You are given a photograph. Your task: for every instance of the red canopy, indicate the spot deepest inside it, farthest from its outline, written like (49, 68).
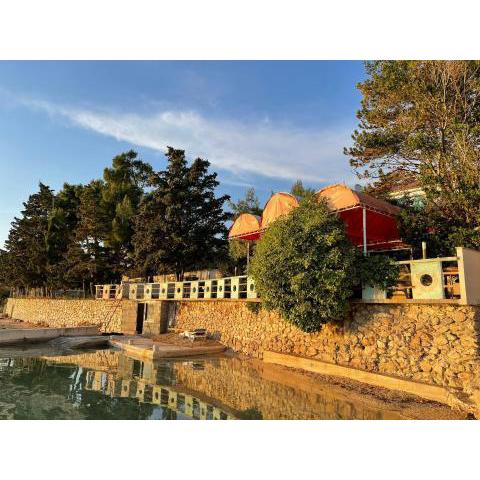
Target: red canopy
(380, 217)
(360, 212)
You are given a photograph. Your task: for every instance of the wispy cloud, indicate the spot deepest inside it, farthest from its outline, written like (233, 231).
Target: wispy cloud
(242, 148)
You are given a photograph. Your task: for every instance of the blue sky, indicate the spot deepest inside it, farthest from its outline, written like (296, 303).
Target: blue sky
(261, 124)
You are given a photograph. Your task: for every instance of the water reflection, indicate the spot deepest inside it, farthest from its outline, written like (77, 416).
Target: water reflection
(107, 384)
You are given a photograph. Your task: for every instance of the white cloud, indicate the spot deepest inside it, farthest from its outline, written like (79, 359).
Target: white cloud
(244, 149)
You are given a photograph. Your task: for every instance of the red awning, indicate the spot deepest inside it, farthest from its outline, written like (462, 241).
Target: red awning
(381, 223)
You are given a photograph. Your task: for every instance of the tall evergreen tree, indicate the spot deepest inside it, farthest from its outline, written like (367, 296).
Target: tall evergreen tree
(88, 258)
(29, 246)
(122, 192)
(62, 224)
(181, 223)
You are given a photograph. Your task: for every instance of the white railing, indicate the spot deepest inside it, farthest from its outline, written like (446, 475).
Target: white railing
(448, 278)
(235, 288)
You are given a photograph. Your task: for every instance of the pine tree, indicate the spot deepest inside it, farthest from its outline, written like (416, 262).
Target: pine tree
(181, 223)
(28, 246)
(122, 192)
(62, 223)
(87, 258)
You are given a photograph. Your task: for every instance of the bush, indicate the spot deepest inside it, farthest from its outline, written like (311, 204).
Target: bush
(377, 271)
(304, 267)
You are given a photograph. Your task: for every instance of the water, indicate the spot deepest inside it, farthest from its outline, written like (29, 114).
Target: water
(106, 384)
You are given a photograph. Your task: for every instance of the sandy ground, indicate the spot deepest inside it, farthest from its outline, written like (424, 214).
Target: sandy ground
(408, 406)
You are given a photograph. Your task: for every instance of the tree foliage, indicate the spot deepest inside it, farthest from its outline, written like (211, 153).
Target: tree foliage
(300, 192)
(181, 222)
(421, 120)
(29, 253)
(248, 204)
(304, 267)
(376, 271)
(84, 234)
(237, 249)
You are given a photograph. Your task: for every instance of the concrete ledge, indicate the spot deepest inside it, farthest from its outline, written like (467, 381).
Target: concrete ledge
(429, 392)
(20, 335)
(409, 301)
(144, 348)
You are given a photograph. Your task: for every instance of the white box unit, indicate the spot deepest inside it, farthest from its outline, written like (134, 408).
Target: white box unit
(251, 290)
(235, 288)
(132, 292)
(221, 288)
(373, 293)
(194, 288)
(208, 289)
(178, 291)
(147, 292)
(427, 280)
(163, 291)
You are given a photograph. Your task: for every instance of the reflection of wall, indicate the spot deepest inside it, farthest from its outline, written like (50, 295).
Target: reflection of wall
(225, 388)
(430, 343)
(105, 360)
(244, 387)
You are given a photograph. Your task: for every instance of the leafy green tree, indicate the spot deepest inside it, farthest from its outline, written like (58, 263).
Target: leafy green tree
(421, 119)
(181, 222)
(420, 222)
(376, 270)
(300, 192)
(304, 267)
(248, 204)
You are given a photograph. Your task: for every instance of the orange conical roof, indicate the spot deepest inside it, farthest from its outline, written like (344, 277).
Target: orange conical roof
(245, 224)
(341, 197)
(279, 204)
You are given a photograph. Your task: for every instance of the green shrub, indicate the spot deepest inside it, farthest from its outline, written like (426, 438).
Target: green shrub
(377, 271)
(304, 267)
(254, 307)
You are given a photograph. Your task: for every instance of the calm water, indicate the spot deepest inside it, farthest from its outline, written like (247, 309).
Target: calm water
(106, 384)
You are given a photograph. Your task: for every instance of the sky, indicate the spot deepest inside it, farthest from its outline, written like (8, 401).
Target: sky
(261, 124)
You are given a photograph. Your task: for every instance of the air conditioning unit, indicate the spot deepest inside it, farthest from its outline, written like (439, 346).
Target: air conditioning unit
(427, 280)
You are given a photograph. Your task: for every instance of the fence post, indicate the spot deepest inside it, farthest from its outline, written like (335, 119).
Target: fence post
(469, 275)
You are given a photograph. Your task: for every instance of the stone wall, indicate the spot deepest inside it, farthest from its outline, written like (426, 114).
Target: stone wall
(430, 343)
(66, 313)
